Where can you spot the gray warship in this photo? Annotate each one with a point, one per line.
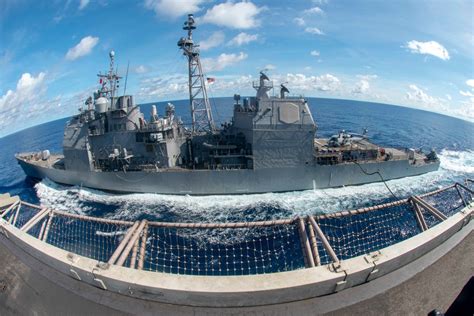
(268, 146)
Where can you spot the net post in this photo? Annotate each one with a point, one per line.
(134, 254)
(307, 253)
(12, 218)
(324, 240)
(419, 215)
(465, 188)
(436, 213)
(141, 260)
(131, 243)
(11, 207)
(16, 214)
(48, 226)
(314, 244)
(123, 243)
(43, 226)
(35, 219)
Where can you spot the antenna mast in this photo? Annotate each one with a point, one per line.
(126, 78)
(111, 78)
(201, 113)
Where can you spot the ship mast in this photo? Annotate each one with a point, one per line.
(111, 78)
(201, 113)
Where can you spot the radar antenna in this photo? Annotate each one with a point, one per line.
(262, 87)
(201, 113)
(263, 76)
(283, 90)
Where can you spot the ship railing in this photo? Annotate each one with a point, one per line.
(240, 248)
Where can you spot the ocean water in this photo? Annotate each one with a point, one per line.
(388, 125)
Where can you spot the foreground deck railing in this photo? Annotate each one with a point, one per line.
(244, 248)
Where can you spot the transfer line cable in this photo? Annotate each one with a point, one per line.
(381, 177)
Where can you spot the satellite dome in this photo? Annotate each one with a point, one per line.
(101, 105)
(112, 53)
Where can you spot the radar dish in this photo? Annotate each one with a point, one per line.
(264, 76)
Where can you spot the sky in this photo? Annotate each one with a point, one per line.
(411, 53)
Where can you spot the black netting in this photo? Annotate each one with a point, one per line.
(235, 251)
(362, 233)
(96, 240)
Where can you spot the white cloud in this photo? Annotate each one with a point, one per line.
(240, 15)
(299, 21)
(314, 10)
(419, 95)
(363, 85)
(27, 88)
(470, 83)
(169, 87)
(232, 84)
(302, 82)
(15, 103)
(314, 53)
(38, 108)
(269, 67)
(466, 93)
(141, 69)
(173, 8)
(83, 4)
(216, 39)
(448, 96)
(222, 61)
(428, 48)
(464, 109)
(313, 30)
(367, 77)
(84, 48)
(163, 86)
(243, 38)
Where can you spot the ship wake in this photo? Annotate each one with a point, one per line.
(455, 166)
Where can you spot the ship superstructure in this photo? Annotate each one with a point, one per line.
(268, 146)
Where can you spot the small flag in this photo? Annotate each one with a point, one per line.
(210, 80)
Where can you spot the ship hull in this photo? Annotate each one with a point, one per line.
(238, 181)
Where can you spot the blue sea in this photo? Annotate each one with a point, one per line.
(388, 125)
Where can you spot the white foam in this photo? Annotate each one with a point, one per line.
(455, 166)
(59, 197)
(111, 234)
(458, 161)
